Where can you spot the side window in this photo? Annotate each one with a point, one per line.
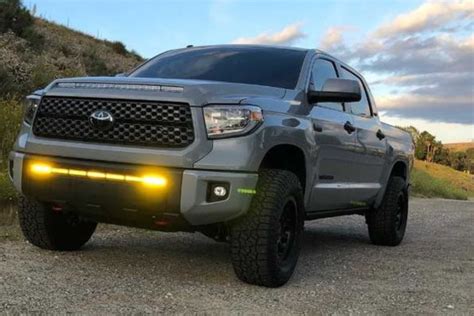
(322, 70)
(361, 108)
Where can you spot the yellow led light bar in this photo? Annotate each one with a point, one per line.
(149, 180)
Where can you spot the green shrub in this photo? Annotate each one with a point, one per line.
(94, 65)
(8, 85)
(136, 56)
(15, 17)
(119, 48)
(11, 113)
(425, 185)
(42, 74)
(35, 39)
(7, 191)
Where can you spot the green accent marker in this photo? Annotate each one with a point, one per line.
(246, 191)
(358, 203)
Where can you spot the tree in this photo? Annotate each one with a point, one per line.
(413, 132)
(442, 156)
(470, 157)
(460, 161)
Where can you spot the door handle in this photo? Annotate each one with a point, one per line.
(349, 127)
(380, 135)
(317, 128)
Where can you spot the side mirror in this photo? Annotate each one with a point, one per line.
(122, 74)
(336, 90)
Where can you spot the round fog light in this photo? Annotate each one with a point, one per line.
(220, 191)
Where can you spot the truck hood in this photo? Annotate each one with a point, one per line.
(194, 92)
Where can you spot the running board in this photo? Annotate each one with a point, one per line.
(333, 213)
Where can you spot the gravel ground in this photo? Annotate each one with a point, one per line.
(126, 270)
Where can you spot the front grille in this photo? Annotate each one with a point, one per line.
(144, 123)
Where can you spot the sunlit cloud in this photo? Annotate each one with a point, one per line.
(423, 61)
(287, 36)
(445, 132)
(428, 17)
(334, 37)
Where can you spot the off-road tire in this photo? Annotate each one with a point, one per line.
(52, 230)
(261, 254)
(387, 224)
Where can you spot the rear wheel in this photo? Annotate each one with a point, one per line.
(387, 224)
(52, 230)
(266, 241)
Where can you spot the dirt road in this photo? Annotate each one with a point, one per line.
(126, 270)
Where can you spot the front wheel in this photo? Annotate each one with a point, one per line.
(387, 224)
(51, 230)
(265, 243)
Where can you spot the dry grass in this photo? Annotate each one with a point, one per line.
(434, 180)
(459, 146)
(9, 228)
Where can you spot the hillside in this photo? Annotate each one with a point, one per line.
(33, 52)
(459, 146)
(435, 180)
(51, 51)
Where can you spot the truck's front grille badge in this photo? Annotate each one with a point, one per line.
(142, 123)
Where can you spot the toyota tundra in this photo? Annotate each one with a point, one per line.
(241, 143)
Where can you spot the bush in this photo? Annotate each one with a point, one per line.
(8, 86)
(15, 17)
(94, 65)
(42, 74)
(136, 56)
(7, 191)
(119, 48)
(11, 113)
(460, 161)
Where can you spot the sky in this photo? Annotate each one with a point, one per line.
(418, 56)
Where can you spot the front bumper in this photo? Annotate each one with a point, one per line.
(129, 203)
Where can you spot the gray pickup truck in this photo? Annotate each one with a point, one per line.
(240, 143)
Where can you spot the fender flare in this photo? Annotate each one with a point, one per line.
(381, 193)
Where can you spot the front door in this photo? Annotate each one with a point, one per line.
(335, 143)
(371, 144)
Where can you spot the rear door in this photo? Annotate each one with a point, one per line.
(370, 142)
(334, 145)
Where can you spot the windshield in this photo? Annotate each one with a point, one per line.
(266, 66)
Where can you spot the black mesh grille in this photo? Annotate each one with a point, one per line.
(135, 122)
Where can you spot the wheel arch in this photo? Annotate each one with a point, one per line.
(399, 168)
(287, 157)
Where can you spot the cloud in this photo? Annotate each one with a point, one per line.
(333, 38)
(446, 132)
(423, 57)
(429, 16)
(449, 109)
(287, 36)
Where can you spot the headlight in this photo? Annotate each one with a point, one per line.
(231, 120)
(31, 104)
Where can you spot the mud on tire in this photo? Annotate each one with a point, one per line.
(52, 230)
(265, 243)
